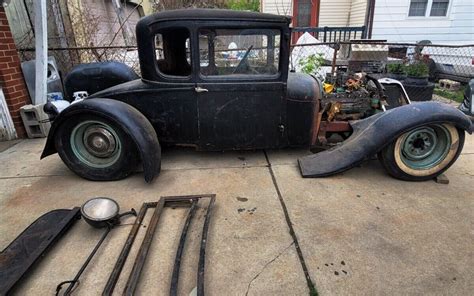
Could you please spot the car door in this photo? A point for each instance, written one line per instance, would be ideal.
(240, 89)
(167, 95)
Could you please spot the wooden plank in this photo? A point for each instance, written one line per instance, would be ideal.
(7, 129)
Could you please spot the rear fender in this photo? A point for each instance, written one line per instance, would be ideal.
(132, 122)
(372, 134)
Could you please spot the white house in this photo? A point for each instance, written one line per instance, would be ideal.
(319, 13)
(441, 21)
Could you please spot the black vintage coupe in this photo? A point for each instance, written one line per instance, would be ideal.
(219, 80)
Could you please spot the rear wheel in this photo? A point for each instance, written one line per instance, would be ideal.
(96, 148)
(423, 153)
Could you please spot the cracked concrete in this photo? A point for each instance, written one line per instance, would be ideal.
(266, 265)
(360, 233)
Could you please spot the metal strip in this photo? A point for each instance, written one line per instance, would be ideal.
(143, 251)
(166, 201)
(114, 276)
(202, 250)
(179, 252)
(73, 283)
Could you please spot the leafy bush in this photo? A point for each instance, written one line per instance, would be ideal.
(311, 64)
(417, 69)
(252, 5)
(396, 68)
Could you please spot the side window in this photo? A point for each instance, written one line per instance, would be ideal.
(172, 52)
(239, 52)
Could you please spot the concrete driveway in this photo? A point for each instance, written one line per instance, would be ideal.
(358, 233)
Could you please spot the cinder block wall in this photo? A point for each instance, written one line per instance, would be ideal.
(11, 77)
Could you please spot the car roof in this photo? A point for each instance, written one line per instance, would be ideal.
(213, 14)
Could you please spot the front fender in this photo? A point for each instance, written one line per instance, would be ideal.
(372, 134)
(132, 122)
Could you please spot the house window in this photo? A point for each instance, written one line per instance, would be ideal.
(418, 7)
(439, 8)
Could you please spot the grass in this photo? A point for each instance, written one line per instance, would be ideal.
(457, 96)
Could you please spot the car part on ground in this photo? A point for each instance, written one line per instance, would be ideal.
(467, 106)
(190, 201)
(32, 244)
(373, 134)
(99, 212)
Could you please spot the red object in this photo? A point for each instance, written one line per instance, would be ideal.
(11, 77)
(314, 18)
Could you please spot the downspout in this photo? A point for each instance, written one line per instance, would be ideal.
(369, 18)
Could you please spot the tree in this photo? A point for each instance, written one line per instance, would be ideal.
(160, 5)
(251, 5)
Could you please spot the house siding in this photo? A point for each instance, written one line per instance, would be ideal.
(334, 13)
(391, 22)
(357, 13)
(281, 7)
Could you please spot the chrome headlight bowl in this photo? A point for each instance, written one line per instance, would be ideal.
(100, 211)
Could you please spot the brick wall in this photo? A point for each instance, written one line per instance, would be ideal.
(11, 77)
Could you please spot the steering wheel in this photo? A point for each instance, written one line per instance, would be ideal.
(243, 61)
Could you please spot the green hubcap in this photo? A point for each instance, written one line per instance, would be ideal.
(95, 144)
(425, 147)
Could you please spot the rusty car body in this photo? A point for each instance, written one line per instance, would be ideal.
(219, 80)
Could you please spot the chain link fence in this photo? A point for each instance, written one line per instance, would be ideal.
(67, 58)
(423, 69)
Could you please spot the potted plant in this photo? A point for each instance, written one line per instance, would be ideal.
(418, 73)
(416, 84)
(397, 71)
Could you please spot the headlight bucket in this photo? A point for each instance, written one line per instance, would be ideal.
(100, 212)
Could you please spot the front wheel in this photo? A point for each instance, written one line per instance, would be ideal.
(96, 148)
(423, 153)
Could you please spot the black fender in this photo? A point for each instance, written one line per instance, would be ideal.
(372, 134)
(133, 123)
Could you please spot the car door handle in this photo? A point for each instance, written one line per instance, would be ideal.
(200, 89)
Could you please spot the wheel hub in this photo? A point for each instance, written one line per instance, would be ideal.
(99, 141)
(420, 144)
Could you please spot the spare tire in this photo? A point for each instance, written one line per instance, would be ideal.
(95, 77)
